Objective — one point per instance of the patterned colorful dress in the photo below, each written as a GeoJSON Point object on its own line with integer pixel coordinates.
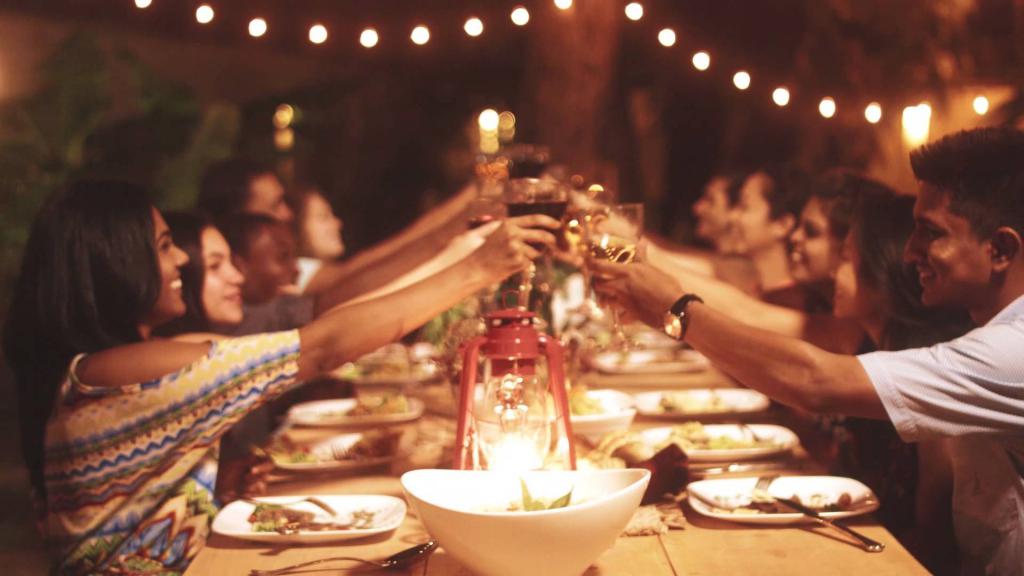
{"type": "Point", "coordinates": [130, 471]}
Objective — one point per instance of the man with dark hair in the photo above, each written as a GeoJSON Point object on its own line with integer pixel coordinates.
{"type": "Point", "coordinates": [968, 249]}
{"type": "Point", "coordinates": [242, 185]}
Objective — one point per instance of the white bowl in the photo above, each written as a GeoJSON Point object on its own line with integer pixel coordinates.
{"type": "Point", "coordinates": [618, 413]}
{"type": "Point", "coordinates": [453, 504]}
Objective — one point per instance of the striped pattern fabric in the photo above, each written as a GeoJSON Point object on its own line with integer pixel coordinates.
{"type": "Point", "coordinates": [130, 471]}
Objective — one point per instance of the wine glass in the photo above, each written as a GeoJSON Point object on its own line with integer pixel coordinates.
{"type": "Point", "coordinates": [525, 196]}
{"type": "Point", "coordinates": [614, 238]}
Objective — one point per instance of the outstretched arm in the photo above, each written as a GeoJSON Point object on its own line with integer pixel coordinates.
{"type": "Point", "coordinates": [792, 371]}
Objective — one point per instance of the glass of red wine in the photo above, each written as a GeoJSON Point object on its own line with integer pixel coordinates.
{"type": "Point", "coordinates": [524, 196]}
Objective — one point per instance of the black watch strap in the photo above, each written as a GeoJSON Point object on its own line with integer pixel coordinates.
{"type": "Point", "coordinates": [680, 306]}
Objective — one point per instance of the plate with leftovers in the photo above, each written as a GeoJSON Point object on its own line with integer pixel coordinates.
{"type": "Point", "coordinates": [294, 519]}
{"type": "Point", "coordinates": [688, 404]}
{"type": "Point", "coordinates": [596, 412]}
{"type": "Point", "coordinates": [366, 409]}
{"type": "Point", "coordinates": [392, 365]}
{"type": "Point", "coordinates": [660, 361]}
{"type": "Point", "coordinates": [733, 499]}
{"type": "Point", "coordinates": [343, 452]}
{"type": "Point", "coordinates": [714, 442]}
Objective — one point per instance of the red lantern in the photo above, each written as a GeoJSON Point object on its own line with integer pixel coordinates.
{"type": "Point", "coordinates": [515, 415]}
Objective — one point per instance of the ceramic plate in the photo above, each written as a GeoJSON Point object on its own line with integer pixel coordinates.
{"type": "Point", "coordinates": [719, 498]}
{"type": "Point", "coordinates": [330, 455]}
{"type": "Point", "coordinates": [617, 413]}
{"type": "Point", "coordinates": [781, 440]}
{"type": "Point", "coordinates": [650, 361]}
{"type": "Point", "coordinates": [336, 413]}
{"type": "Point", "coordinates": [233, 519]}
{"type": "Point", "coordinates": [689, 404]}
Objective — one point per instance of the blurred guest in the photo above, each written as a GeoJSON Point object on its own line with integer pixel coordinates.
{"type": "Point", "coordinates": [100, 272]}
{"type": "Point", "coordinates": [242, 185]}
{"type": "Point", "coordinates": [318, 232]}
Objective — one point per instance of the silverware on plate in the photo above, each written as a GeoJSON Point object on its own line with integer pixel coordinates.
{"type": "Point", "coordinates": [395, 561]}
{"type": "Point", "coordinates": [866, 543]}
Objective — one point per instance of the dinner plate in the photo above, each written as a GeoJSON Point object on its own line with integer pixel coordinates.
{"type": "Point", "coordinates": [324, 456]}
{"type": "Point", "coordinates": [331, 413]}
{"type": "Point", "coordinates": [670, 361]}
{"type": "Point", "coordinates": [783, 440]}
{"type": "Point", "coordinates": [701, 402]}
{"type": "Point", "coordinates": [392, 365]}
{"type": "Point", "coordinates": [233, 519]}
{"type": "Point", "coordinates": [716, 498]}
{"type": "Point", "coordinates": [617, 413]}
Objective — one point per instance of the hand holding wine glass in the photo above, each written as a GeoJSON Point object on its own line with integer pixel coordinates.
{"type": "Point", "coordinates": [615, 238]}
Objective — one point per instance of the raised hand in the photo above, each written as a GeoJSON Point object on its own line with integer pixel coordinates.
{"type": "Point", "coordinates": [639, 288]}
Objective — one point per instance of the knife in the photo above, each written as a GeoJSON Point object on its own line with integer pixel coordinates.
{"type": "Point", "coordinates": [866, 543]}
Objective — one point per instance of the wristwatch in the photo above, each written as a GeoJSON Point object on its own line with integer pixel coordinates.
{"type": "Point", "coordinates": [676, 319]}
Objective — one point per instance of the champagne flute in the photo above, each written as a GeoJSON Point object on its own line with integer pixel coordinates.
{"type": "Point", "coordinates": [615, 239]}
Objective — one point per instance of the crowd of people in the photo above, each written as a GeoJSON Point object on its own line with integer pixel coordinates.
{"type": "Point", "coordinates": [146, 346]}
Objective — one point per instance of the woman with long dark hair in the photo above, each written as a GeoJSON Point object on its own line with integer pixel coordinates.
{"type": "Point", "coordinates": [118, 425]}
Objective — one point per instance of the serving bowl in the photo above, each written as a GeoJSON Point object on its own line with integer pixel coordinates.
{"type": "Point", "coordinates": [617, 413]}
{"type": "Point", "coordinates": [466, 512]}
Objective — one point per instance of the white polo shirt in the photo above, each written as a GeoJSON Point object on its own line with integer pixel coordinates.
{"type": "Point", "coordinates": [971, 390]}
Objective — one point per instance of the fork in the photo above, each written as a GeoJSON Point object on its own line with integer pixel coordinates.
{"type": "Point", "coordinates": [311, 499]}
{"type": "Point", "coordinates": [761, 489]}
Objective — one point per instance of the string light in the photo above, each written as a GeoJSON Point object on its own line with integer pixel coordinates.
{"type": "Point", "coordinates": [780, 96]}
{"type": "Point", "coordinates": [702, 61]}
{"type": "Point", "coordinates": [318, 34]}
{"type": "Point", "coordinates": [741, 80]}
{"type": "Point", "coordinates": [143, 4]}
{"type": "Point", "coordinates": [369, 38]}
{"type": "Point", "coordinates": [283, 116]}
{"type": "Point", "coordinates": [488, 120]}
{"type": "Point", "coordinates": [474, 27]}
{"type": "Point", "coordinates": [873, 112]}
{"type": "Point", "coordinates": [634, 11]}
{"type": "Point", "coordinates": [916, 123]}
{"type": "Point", "coordinates": [257, 27]}
{"type": "Point", "coordinates": [420, 35]}
{"type": "Point", "coordinates": [204, 14]}
{"type": "Point", "coordinates": [827, 107]}
{"type": "Point", "coordinates": [980, 105]}
{"type": "Point", "coordinates": [563, 4]}
{"type": "Point", "coordinates": [520, 16]}
{"type": "Point", "coordinates": [667, 37]}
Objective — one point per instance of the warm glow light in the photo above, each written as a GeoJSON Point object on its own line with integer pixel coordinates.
{"type": "Point", "coordinates": [873, 113]}
{"type": "Point", "coordinates": [204, 14]}
{"type": "Point", "coordinates": [916, 124]}
{"type": "Point", "coordinates": [257, 27]}
{"type": "Point", "coordinates": [634, 11]}
{"type": "Point", "coordinates": [420, 35]}
{"type": "Point", "coordinates": [780, 96]}
{"type": "Point", "coordinates": [741, 80]}
{"type": "Point", "coordinates": [284, 139]}
{"type": "Point", "coordinates": [563, 4]}
{"type": "Point", "coordinates": [514, 452]}
{"type": "Point", "coordinates": [520, 16]}
{"type": "Point", "coordinates": [488, 120]}
{"type": "Point", "coordinates": [667, 37]}
{"type": "Point", "coordinates": [283, 116]}
{"type": "Point", "coordinates": [506, 120]}
{"type": "Point", "coordinates": [369, 38]}
{"type": "Point", "coordinates": [318, 34]}
{"type": "Point", "coordinates": [980, 105]}
{"type": "Point", "coordinates": [474, 27]}
{"type": "Point", "coordinates": [827, 107]}
{"type": "Point", "coordinates": [702, 61]}
{"type": "Point", "coordinates": [143, 3]}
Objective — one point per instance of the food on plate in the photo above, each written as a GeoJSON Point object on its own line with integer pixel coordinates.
{"type": "Point", "coordinates": [693, 436]}
{"type": "Point", "coordinates": [580, 404]}
{"type": "Point", "coordinates": [375, 405]}
{"type": "Point", "coordinates": [689, 403]}
{"type": "Point", "coordinates": [374, 444]}
{"type": "Point", "coordinates": [284, 520]}
{"type": "Point", "coordinates": [746, 504]}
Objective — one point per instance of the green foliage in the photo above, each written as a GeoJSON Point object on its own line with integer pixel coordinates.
{"type": "Point", "coordinates": [153, 132]}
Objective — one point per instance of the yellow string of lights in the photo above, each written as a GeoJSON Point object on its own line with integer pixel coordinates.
{"type": "Point", "coordinates": [916, 119]}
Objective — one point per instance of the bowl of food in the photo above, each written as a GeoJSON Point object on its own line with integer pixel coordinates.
{"type": "Point", "coordinates": [594, 413]}
{"type": "Point", "coordinates": [502, 523]}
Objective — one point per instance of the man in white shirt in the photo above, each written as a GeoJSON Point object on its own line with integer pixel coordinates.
{"type": "Point", "coordinates": [967, 247]}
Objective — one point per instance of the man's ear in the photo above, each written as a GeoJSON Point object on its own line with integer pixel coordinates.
{"type": "Point", "coordinates": [1005, 246]}
{"type": "Point", "coordinates": [783, 225]}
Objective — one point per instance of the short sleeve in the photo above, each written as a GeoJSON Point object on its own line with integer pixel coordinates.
{"type": "Point", "coordinates": [973, 385]}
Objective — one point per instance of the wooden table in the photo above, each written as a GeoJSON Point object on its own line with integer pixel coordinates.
{"type": "Point", "coordinates": [705, 547]}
